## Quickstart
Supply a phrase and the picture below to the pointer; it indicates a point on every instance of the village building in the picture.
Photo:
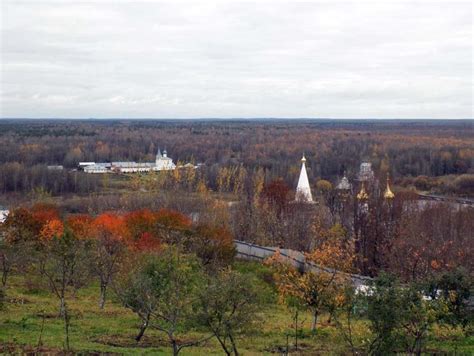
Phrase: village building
(162, 163)
(93, 167)
(366, 174)
(55, 168)
(344, 187)
(3, 214)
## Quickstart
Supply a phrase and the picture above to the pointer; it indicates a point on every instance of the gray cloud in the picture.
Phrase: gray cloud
(229, 59)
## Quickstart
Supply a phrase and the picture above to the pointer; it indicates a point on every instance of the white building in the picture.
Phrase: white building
(344, 184)
(3, 214)
(131, 167)
(366, 173)
(303, 190)
(85, 164)
(162, 163)
(97, 168)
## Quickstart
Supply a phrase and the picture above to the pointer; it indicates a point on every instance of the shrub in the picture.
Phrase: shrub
(161, 291)
(455, 289)
(383, 312)
(464, 184)
(228, 307)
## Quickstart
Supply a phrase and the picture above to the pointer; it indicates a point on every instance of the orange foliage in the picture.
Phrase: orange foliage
(41, 222)
(111, 224)
(332, 255)
(52, 229)
(276, 193)
(317, 288)
(333, 250)
(44, 213)
(140, 221)
(172, 219)
(81, 226)
(147, 242)
(213, 244)
(20, 225)
(142, 230)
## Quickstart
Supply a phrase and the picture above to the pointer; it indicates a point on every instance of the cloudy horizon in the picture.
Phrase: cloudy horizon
(98, 59)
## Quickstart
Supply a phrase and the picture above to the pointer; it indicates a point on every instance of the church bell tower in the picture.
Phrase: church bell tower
(303, 190)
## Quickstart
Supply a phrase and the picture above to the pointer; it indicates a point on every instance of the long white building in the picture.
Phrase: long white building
(162, 163)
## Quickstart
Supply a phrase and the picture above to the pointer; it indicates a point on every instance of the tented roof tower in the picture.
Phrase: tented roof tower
(388, 194)
(303, 190)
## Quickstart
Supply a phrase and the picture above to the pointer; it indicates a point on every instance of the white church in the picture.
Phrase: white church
(162, 163)
(303, 190)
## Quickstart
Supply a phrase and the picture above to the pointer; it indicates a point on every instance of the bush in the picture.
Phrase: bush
(464, 184)
(228, 307)
(402, 315)
(262, 279)
(455, 289)
(418, 314)
(384, 311)
(161, 290)
(213, 245)
(424, 183)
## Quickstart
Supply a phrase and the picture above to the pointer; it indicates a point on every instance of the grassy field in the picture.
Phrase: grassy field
(31, 313)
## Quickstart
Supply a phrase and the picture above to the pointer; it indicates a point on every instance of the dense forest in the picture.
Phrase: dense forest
(429, 155)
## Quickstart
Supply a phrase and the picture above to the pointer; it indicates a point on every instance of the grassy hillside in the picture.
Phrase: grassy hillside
(31, 313)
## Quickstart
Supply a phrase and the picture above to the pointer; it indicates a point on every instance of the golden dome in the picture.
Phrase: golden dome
(362, 195)
(388, 194)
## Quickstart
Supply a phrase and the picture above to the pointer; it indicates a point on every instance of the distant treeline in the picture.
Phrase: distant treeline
(405, 149)
(17, 177)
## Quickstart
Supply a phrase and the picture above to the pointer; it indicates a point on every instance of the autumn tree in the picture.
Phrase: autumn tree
(23, 231)
(81, 225)
(171, 225)
(325, 276)
(276, 193)
(324, 187)
(239, 180)
(142, 230)
(431, 240)
(109, 238)
(455, 289)
(228, 307)
(400, 315)
(213, 245)
(19, 230)
(162, 292)
(349, 309)
(224, 178)
(64, 260)
(258, 182)
(418, 316)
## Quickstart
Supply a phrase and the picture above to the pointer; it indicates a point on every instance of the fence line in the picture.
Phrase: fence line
(249, 251)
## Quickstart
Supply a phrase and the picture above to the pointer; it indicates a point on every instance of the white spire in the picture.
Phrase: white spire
(303, 190)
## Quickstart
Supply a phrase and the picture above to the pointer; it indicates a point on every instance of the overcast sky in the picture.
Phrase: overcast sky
(177, 59)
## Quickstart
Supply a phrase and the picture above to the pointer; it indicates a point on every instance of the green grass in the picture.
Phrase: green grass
(114, 328)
